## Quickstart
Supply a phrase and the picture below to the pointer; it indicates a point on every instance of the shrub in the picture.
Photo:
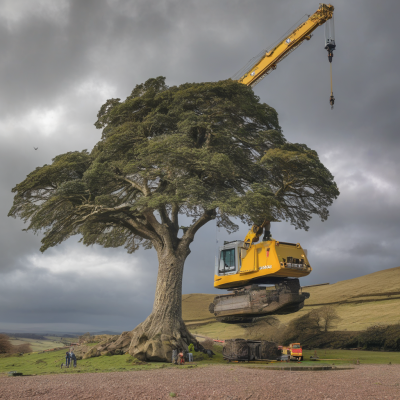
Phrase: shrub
(5, 344)
(135, 361)
(23, 348)
(198, 357)
(208, 344)
(381, 337)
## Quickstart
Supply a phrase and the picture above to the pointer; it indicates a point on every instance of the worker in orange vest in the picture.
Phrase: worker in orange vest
(181, 358)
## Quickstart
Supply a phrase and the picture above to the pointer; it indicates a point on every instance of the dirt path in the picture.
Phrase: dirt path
(214, 382)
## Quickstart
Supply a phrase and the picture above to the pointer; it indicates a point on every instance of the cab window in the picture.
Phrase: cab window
(227, 261)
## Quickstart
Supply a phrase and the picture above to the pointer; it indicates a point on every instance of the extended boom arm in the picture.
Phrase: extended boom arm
(303, 32)
(255, 232)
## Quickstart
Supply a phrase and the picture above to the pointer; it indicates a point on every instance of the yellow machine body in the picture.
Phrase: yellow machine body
(241, 264)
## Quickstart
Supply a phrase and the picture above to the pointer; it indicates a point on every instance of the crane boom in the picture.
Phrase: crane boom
(271, 58)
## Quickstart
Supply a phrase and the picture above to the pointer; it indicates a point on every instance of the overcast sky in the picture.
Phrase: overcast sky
(60, 60)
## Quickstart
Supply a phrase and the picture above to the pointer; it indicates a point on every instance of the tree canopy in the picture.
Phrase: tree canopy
(205, 150)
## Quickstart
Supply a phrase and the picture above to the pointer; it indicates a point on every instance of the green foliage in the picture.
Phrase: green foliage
(310, 330)
(380, 337)
(198, 357)
(205, 150)
(330, 340)
(135, 361)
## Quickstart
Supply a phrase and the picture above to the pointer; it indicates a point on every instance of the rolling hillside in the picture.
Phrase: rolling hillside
(37, 345)
(360, 302)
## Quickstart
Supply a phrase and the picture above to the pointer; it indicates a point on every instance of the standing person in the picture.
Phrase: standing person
(73, 358)
(67, 359)
(190, 350)
(181, 358)
(174, 356)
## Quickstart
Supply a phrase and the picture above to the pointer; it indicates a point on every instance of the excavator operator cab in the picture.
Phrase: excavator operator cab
(229, 260)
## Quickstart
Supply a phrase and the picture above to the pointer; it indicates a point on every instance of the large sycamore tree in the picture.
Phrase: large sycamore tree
(202, 150)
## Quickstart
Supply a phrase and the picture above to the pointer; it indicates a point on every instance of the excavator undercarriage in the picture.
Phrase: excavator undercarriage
(249, 302)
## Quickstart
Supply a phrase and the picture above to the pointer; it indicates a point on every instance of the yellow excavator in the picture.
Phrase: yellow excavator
(245, 267)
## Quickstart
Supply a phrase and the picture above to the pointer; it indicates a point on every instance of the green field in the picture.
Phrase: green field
(50, 362)
(338, 357)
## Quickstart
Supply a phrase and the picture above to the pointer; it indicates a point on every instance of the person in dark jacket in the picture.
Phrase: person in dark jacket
(67, 359)
(73, 358)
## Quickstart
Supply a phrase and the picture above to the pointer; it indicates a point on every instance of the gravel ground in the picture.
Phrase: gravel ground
(214, 382)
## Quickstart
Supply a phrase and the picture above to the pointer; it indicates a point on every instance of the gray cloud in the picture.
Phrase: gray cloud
(62, 60)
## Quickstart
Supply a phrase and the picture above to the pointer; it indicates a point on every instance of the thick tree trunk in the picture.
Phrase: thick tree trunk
(163, 330)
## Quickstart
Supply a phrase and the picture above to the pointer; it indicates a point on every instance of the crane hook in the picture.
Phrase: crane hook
(332, 101)
(330, 45)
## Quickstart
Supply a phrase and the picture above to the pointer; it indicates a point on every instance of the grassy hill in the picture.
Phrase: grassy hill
(38, 345)
(360, 302)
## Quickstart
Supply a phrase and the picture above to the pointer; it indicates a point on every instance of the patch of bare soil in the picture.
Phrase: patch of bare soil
(214, 382)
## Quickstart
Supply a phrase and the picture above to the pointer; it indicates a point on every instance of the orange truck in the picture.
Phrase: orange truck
(294, 351)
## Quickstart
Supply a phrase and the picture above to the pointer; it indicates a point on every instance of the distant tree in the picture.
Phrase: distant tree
(302, 328)
(205, 151)
(28, 336)
(310, 325)
(328, 317)
(22, 348)
(5, 344)
(314, 320)
(7, 347)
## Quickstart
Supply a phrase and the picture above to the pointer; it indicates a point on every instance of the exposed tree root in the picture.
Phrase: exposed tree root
(152, 340)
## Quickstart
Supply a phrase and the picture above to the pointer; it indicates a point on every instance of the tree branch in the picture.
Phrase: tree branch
(144, 189)
(188, 236)
(164, 215)
(175, 215)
